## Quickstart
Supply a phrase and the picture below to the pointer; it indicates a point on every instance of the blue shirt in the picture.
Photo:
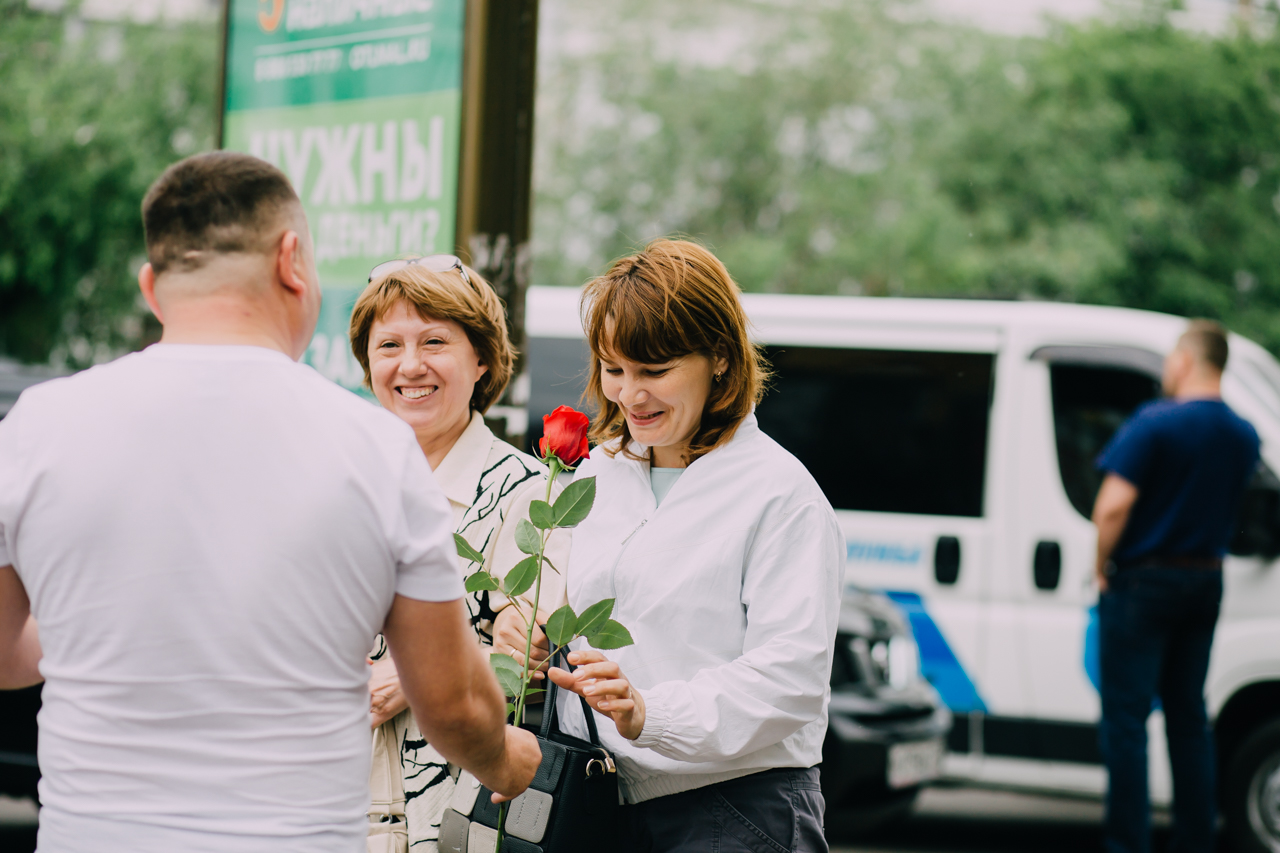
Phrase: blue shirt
(661, 480)
(1191, 462)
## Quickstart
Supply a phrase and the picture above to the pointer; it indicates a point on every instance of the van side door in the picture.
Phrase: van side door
(1072, 399)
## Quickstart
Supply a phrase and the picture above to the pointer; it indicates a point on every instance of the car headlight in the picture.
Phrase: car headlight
(898, 659)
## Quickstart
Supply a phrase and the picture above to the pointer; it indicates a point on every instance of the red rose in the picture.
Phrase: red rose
(564, 434)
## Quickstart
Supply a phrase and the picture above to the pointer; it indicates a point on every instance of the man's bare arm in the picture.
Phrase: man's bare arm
(1110, 515)
(19, 643)
(454, 696)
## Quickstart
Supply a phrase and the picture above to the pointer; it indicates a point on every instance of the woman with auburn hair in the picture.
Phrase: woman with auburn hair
(431, 336)
(725, 559)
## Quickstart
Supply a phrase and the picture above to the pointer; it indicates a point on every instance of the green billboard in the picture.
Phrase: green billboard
(359, 103)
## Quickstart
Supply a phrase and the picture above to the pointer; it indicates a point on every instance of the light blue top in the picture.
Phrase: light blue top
(662, 479)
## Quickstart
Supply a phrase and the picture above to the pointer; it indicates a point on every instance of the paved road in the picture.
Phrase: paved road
(959, 820)
(946, 820)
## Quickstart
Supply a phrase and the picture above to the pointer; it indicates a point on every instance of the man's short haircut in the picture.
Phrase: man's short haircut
(213, 203)
(1207, 341)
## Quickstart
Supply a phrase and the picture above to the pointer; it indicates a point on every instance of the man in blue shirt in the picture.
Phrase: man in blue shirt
(1175, 474)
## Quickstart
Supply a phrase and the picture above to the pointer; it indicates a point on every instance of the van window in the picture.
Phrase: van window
(1089, 405)
(882, 430)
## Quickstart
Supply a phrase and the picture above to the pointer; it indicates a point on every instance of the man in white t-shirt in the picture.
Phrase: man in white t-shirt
(209, 535)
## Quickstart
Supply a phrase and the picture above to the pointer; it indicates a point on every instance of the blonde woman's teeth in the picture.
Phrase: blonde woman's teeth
(417, 393)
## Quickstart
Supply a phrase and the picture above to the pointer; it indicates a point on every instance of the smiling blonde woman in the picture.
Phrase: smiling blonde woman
(431, 336)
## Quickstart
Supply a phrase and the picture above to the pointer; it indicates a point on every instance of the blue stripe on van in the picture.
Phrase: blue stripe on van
(1092, 655)
(937, 662)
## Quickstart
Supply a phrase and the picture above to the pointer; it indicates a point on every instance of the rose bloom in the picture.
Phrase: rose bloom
(564, 434)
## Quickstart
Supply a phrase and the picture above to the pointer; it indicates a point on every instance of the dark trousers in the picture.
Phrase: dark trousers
(1156, 630)
(776, 811)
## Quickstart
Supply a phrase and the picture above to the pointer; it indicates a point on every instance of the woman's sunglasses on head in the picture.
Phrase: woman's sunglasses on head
(434, 263)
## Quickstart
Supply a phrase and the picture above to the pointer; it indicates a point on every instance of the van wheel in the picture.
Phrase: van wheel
(1251, 793)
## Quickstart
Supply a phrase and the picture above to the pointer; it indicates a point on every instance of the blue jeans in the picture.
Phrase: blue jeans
(1156, 627)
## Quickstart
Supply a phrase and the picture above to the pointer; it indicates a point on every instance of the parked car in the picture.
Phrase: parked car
(956, 441)
(887, 726)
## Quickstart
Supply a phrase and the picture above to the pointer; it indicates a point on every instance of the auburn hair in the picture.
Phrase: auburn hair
(442, 296)
(671, 300)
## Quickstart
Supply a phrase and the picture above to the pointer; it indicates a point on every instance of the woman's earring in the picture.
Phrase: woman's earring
(718, 375)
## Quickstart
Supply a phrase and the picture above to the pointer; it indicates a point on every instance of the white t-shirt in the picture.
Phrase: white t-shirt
(211, 537)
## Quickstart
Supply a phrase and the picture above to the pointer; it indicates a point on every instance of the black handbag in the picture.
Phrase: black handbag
(571, 805)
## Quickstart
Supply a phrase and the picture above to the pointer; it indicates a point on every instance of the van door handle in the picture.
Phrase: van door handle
(1046, 567)
(946, 560)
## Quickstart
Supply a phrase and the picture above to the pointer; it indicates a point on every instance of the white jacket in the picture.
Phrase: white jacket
(731, 590)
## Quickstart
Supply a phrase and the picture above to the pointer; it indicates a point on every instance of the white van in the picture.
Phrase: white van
(956, 441)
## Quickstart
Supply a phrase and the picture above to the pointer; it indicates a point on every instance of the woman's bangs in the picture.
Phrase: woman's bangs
(626, 324)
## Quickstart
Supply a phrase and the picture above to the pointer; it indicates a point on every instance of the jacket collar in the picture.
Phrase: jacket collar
(460, 470)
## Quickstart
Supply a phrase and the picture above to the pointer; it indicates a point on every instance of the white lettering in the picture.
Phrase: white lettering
(313, 14)
(422, 167)
(258, 144)
(297, 155)
(337, 183)
(332, 358)
(400, 232)
(306, 63)
(265, 146)
(378, 54)
(378, 161)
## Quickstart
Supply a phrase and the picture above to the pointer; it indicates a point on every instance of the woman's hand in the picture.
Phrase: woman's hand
(509, 638)
(600, 681)
(386, 699)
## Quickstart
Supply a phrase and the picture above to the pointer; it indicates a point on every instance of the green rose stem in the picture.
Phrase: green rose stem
(554, 465)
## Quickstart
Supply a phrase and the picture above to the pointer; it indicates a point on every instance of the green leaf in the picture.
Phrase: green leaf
(575, 502)
(481, 581)
(510, 674)
(562, 626)
(511, 709)
(528, 539)
(550, 564)
(521, 577)
(541, 515)
(593, 617)
(534, 692)
(466, 551)
(610, 635)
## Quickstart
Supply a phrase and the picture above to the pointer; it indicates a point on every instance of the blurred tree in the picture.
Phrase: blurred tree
(860, 147)
(90, 113)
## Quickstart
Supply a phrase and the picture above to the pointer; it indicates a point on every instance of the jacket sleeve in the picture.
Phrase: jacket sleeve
(791, 592)
(506, 554)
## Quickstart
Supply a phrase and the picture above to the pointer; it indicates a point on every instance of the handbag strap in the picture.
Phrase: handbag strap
(549, 709)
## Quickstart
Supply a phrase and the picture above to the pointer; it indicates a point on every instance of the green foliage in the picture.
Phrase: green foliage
(610, 635)
(541, 516)
(858, 147)
(481, 581)
(575, 502)
(90, 114)
(510, 674)
(521, 577)
(594, 617)
(562, 626)
(466, 552)
(528, 539)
